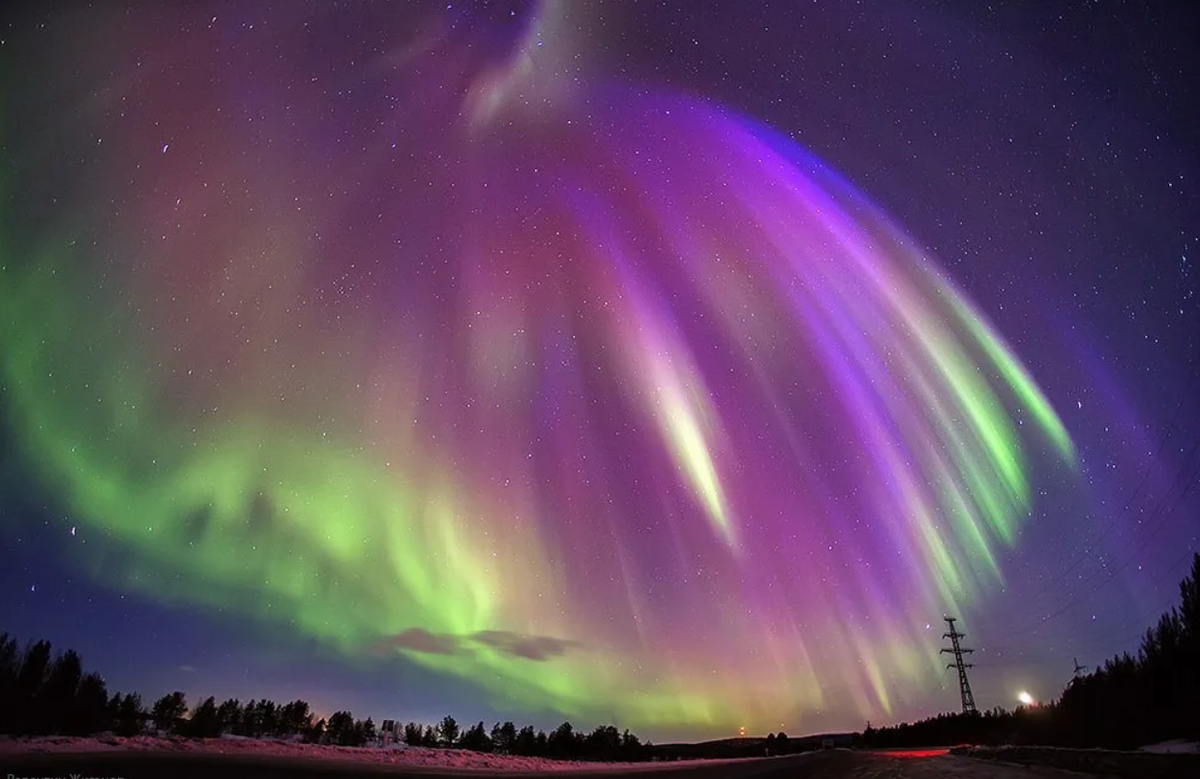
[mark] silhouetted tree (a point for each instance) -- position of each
(268, 718)
(448, 731)
(90, 711)
(413, 734)
(365, 732)
(1189, 670)
(526, 742)
(168, 711)
(111, 707)
(504, 737)
(248, 723)
(30, 715)
(294, 718)
(56, 698)
(10, 667)
(476, 739)
(429, 739)
(204, 722)
(316, 732)
(563, 742)
(130, 715)
(340, 729)
(229, 714)
(603, 743)
(631, 745)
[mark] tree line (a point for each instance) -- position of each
(605, 742)
(1129, 701)
(46, 694)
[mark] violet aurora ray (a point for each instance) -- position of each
(600, 396)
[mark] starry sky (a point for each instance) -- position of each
(672, 364)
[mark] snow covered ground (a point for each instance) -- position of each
(192, 763)
(394, 754)
(1158, 760)
(1177, 747)
(1035, 763)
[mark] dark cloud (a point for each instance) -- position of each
(420, 640)
(528, 647)
(539, 648)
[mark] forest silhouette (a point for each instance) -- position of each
(1131, 700)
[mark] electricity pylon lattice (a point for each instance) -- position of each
(964, 686)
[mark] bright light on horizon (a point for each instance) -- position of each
(1026, 698)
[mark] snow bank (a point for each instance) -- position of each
(1177, 747)
(393, 754)
(1103, 762)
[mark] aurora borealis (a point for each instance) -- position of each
(422, 336)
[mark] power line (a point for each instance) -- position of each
(1110, 641)
(1156, 521)
(1080, 597)
(1193, 372)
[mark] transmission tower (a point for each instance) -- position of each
(964, 686)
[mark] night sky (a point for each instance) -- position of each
(672, 364)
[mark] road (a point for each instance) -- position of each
(837, 764)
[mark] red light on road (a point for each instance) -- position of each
(916, 753)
